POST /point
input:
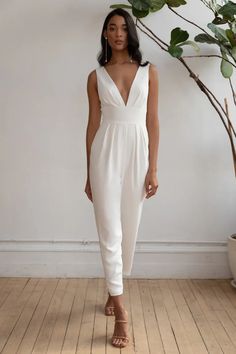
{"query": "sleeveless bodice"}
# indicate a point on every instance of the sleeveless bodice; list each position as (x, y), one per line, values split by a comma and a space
(121, 141)
(113, 106)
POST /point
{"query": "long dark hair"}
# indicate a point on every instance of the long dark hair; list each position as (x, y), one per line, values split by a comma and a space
(133, 41)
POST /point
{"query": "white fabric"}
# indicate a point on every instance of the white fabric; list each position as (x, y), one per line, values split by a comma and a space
(118, 166)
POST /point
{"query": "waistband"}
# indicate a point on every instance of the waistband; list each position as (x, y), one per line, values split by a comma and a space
(124, 114)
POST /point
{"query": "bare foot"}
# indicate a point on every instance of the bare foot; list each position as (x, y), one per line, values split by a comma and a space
(109, 307)
(121, 328)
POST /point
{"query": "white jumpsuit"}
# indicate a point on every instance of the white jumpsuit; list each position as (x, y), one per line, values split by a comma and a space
(118, 166)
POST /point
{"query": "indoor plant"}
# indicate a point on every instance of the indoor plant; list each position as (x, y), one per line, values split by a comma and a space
(222, 35)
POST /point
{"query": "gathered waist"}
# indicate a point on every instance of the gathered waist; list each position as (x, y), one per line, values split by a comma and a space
(124, 114)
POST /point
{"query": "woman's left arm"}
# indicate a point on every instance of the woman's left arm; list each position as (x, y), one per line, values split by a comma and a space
(152, 122)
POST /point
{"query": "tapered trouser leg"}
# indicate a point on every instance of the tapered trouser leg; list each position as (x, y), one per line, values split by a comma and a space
(118, 210)
(117, 177)
(106, 200)
(131, 211)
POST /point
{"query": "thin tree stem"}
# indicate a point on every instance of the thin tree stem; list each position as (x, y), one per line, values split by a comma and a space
(232, 90)
(154, 39)
(211, 97)
(203, 89)
(194, 24)
(154, 35)
(231, 140)
(222, 108)
(208, 56)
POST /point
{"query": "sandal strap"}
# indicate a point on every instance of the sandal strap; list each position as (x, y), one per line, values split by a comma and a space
(122, 337)
(121, 321)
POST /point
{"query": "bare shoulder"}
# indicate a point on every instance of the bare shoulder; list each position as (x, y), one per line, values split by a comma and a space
(92, 82)
(92, 90)
(153, 75)
(153, 70)
(92, 76)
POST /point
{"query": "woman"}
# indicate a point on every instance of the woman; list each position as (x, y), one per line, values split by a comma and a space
(121, 153)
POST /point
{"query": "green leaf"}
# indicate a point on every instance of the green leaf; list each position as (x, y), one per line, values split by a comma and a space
(178, 36)
(219, 32)
(233, 27)
(141, 5)
(228, 10)
(205, 38)
(193, 44)
(225, 50)
(156, 5)
(231, 37)
(175, 51)
(225, 67)
(139, 13)
(175, 3)
(124, 6)
(219, 20)
(233, 52)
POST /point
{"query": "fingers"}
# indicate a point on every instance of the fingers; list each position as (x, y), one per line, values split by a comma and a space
(147, 185)
(151, 190)
(90, 195)
(88, 192)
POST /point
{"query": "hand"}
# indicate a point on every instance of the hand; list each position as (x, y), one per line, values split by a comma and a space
(88, 190)
(151, 183)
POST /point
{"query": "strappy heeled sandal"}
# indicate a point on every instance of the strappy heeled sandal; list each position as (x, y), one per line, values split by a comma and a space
(125, 339)
(109, 310)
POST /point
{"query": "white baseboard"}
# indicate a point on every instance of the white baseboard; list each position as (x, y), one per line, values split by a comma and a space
(153, 259)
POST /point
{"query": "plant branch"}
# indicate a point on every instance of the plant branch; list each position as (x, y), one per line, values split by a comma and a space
(224, 111)
(207, 5)
(233, 92)
(208, 56)
(154, 39)
(203, 89)
(154, 35)
(231, 140)
(192, 23)
(211, 97)
(228, 128)
(192, 75)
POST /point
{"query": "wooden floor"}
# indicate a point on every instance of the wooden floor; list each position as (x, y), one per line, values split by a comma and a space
(165, 316)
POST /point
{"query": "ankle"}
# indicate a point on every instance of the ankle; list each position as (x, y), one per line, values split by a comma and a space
(120, 310)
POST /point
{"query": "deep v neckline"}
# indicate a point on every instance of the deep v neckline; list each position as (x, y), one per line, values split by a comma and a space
(131, 87)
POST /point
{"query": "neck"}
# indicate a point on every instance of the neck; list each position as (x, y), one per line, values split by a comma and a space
(120, 58)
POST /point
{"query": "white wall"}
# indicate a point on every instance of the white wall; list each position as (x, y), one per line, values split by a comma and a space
(47, 225)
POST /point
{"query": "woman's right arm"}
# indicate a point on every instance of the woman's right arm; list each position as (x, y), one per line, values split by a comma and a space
(94, 116)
